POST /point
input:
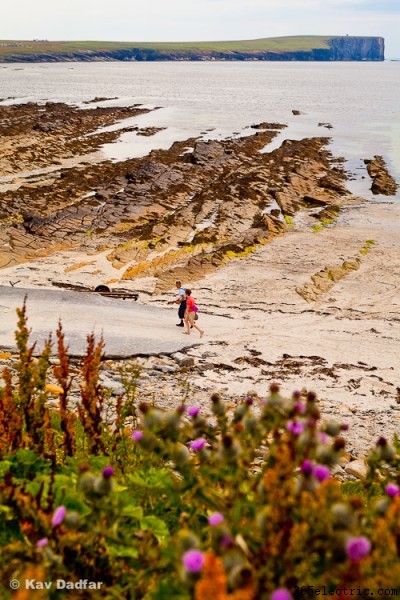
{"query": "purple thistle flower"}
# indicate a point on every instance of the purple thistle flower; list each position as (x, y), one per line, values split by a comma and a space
(321, 472)
(300, 407)
(295, 427)
(323, 437)
(227, 541)
(193, 560)
(193, 411)
(215, 519)
(358, 547)
(392, 490)
(137, 435)
(307, 468)
(58, 516)
(198, 444)
(281, 594)
(42, 543)
(108, 472)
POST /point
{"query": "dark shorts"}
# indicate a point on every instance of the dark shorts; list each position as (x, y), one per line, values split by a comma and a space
(181, 309)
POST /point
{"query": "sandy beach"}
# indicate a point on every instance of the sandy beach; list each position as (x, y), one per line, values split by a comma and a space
(297, 280)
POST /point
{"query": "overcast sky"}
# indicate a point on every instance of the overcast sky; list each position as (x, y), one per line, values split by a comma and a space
(191, 20)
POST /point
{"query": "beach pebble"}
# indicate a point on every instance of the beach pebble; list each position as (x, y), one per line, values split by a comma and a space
(358, 468)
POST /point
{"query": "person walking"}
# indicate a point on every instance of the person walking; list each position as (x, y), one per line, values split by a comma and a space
(190, 314)
(181, 300)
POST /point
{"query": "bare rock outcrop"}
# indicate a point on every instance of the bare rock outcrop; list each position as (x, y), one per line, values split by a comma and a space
(382, 181)
(170, 213)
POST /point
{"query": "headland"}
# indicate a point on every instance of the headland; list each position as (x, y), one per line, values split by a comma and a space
(297, 48)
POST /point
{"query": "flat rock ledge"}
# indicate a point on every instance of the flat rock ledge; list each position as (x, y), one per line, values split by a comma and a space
(128, 328)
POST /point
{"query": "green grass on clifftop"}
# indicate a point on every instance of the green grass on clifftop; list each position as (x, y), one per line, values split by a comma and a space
(278, 44)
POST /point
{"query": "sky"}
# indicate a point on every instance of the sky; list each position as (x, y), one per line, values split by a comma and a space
(199, 20)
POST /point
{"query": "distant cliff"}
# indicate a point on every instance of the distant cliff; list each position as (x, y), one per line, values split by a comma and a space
(294, 48)
(357, 48)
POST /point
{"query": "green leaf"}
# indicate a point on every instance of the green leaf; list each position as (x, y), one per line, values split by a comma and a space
(4, 467)
(134, 512)
(157, 527)
(123, 552)
(5, 509)
(154, 478)
(119, 488)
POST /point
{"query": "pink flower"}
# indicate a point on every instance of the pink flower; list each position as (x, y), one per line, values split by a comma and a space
(323, 437)
(321, 473)
(193, 560)
(392, 490)
(307, 468)
(193, 411)
(108, 472)
(137, 435)
(295, 427)
(227, 541)
(300, 407)
(59, 516)
(215, 519)
(198, 444)
(358, 547)
(42, 543)
(281, 594)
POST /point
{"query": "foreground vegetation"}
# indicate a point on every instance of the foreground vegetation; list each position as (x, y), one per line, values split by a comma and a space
(159, 504)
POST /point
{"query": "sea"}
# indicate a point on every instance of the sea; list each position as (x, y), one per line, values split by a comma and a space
(214, 100)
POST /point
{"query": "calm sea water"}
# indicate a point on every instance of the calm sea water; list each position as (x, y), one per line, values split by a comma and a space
(217, 99)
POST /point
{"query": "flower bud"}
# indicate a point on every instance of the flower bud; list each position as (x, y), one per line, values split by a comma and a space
(326, 455)
(187, 540)
(172, 419)
(230, 449)
(86, 483)
(386, 452)
(274, 400)
(339, 444)
(180, 455)
(382, 505)
(103, 485)
(343, 518)
(311, 397)
(250, 422)
(218, 406)
(240, 412)
(148, 441)
(333, 428)
(153, 419)
(72, 519)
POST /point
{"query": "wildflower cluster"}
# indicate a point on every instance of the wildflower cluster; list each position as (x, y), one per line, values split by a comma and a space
(193, 502)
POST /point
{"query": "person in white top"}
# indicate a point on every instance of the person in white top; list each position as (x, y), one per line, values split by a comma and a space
(181, 300)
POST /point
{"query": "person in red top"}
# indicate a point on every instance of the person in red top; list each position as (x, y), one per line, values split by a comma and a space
(190, 312)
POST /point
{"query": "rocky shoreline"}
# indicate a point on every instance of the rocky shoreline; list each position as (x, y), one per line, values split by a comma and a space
(271, 240)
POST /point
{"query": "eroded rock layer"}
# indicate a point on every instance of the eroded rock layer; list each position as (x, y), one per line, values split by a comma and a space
(182, 211)
(382, 181)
